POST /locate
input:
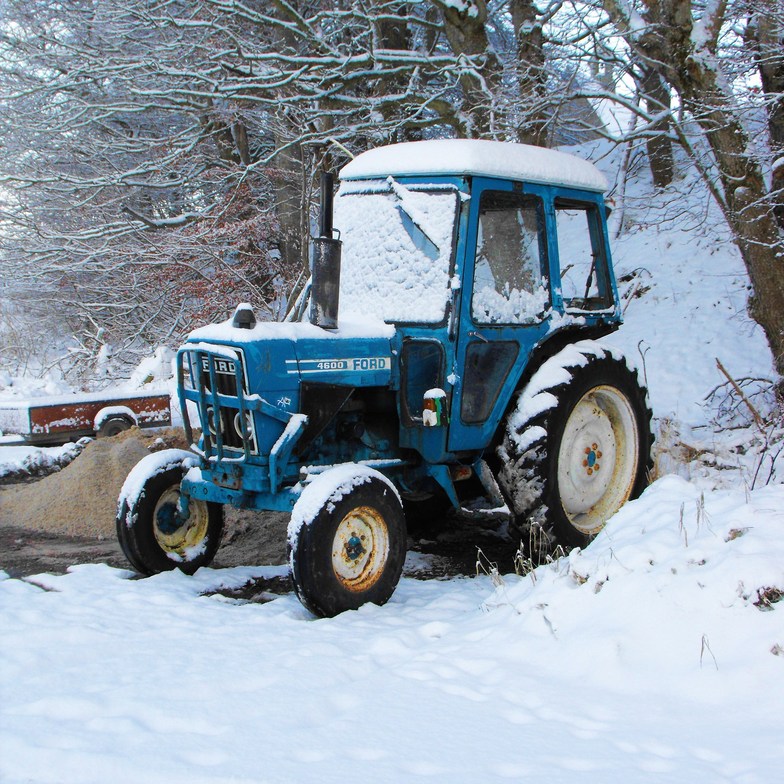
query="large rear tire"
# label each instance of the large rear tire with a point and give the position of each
(159, 530)
(576, 446)
(347, 548)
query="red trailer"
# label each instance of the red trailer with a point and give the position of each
(55, 420)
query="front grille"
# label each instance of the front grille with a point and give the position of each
(217, 384)
(225, 375)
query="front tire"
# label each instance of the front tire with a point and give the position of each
(158, 529)
(347, 542)
(577, 445)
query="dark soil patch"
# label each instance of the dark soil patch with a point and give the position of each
(452, 547)
(24, 551)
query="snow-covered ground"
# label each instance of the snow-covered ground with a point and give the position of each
(643, 658)
(656, 654)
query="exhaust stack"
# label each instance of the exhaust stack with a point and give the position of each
(325, 263)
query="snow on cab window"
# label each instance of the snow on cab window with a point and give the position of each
(509, 287)
(397, 248)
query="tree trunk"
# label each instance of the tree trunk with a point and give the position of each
(395, 35)
(765, 35)
(480, 71)
(657, 98)
(666, 46)
(749, 208)
(289, 177)
(532, 80)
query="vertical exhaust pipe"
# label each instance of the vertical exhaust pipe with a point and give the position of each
(325, 263)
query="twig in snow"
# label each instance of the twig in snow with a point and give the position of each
(642, 353)
(754, 412)
(489, 568)
(682, 527)
(705, 646)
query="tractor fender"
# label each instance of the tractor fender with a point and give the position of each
(548, 347)
(551, 344)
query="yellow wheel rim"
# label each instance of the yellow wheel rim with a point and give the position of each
(182, 539)
(360, 549)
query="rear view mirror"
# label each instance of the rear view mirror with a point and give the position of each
(434, 408)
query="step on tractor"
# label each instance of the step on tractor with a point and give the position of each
(446, 346)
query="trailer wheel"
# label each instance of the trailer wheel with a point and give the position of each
(576, 446)
(113, 426)
(351, 551)
(157, 534)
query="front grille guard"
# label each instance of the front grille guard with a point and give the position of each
(219, 395)
(195, 364)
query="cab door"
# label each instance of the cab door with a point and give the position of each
(505, 305)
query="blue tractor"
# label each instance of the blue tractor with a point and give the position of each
(473, 281)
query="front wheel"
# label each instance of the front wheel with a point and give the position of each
(158, 528)
(347, 541)
(577, 445)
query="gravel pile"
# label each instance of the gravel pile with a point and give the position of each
(81, 499)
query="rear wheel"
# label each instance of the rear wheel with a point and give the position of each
(159, 529)
(577, 445)
(350, 549)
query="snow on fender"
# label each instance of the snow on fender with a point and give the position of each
(328, 488)
(112, 412)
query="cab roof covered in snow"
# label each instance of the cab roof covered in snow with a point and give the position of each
(459, 157)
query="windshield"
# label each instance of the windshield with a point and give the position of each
(397, 249)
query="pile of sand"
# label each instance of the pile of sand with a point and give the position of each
(81, 499)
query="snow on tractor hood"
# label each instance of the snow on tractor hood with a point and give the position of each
(280, 355)
(348, 327)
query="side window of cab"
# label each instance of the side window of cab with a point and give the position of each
(585, 282)
(509, 282)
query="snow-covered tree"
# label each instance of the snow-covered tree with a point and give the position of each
(158, 158)
(696, 48)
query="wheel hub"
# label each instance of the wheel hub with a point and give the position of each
(167, 519)
(592, 455)
(597, 460)
(360, 548)
(180, 524)
(354, 547)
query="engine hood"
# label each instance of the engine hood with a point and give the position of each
(279, 356)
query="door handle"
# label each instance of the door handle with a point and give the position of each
(478, 335)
